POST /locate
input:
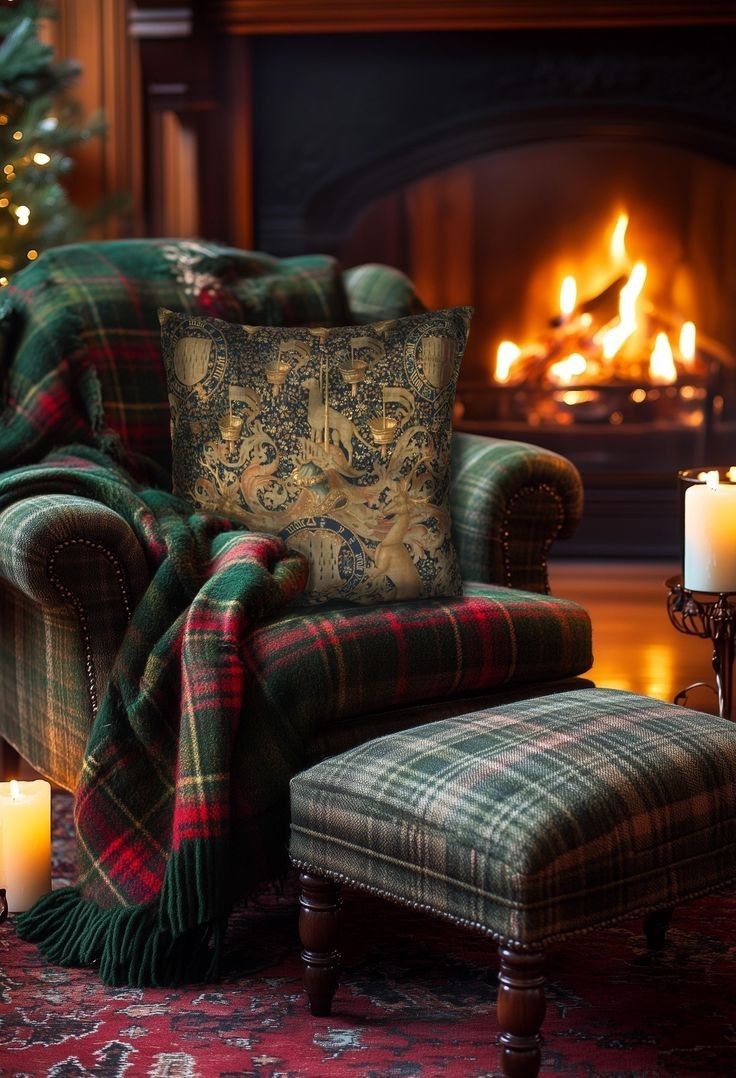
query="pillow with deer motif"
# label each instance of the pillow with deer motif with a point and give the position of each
(337, 440)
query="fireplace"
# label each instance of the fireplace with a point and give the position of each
(493, 166)
(489, 150)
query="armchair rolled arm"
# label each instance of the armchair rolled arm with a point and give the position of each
(376, 292)
(509, 502)
(70, 554)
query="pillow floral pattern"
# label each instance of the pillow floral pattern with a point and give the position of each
(336, 439)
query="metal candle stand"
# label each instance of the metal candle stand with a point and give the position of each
(710, 615)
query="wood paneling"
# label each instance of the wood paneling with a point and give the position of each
(321, 16)
(95, 33)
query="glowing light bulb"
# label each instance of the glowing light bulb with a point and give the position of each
(17, 135)
(41, 158)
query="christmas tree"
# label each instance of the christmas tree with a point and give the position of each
(38, 126)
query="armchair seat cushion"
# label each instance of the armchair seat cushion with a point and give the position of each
(343, 660)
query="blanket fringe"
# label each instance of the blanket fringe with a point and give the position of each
(130, 944)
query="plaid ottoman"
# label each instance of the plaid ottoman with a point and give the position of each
(530, 822)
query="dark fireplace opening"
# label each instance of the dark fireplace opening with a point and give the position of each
(495, 169)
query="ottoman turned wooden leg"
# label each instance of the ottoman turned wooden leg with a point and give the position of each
(319, 912)
(655, 928)
(520, 1011)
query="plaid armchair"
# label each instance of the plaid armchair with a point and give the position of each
(80, 359)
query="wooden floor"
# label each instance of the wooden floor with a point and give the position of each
(635, 646)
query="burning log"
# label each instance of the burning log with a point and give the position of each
(604, 305)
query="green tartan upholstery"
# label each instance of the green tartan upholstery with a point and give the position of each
(80, 359)
(376, 292)
(503, 528)
(531, 821)
(85, 315)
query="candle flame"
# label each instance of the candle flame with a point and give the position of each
(568, 296)
(506, 356)
(618, 239)
(662, 363)
(711, 479)
(14, 790)
(731, 474)
(687, 341)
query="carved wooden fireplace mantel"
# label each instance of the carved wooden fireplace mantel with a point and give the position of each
(199, 62)
(342, 16)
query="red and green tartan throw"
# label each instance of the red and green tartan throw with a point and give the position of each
(168, 835)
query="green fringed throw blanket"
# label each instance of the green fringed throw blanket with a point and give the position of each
(168, 835)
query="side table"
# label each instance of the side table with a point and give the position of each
(711, 615)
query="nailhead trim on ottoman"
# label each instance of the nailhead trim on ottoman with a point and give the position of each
(532, 821)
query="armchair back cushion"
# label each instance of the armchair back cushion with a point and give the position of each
(85, 317)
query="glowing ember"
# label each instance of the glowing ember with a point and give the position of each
(662, 367)
(506, 356)
(567, 369)
(568, 296)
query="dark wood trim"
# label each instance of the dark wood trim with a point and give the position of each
(95, 33)
(239, 140)
(336, 16)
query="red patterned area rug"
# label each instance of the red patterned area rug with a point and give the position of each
(416, 999)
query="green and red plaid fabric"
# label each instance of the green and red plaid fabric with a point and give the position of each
(84, 345)
(353, 660)
(162, 814)
(531, 821)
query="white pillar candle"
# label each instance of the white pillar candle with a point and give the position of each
(710, 536)
(25, 842)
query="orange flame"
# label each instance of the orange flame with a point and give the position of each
(618, 240)
(566, 369)
(662, 367)
(506, 356)
(613, 339)
(568, 296)
(687, 341)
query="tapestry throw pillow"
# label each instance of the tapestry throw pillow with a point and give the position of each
(336, 439)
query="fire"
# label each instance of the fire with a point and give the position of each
(613, 339)
(568, 296)
(614, 335)
(662, 367)
(687, 341)
(506, 356)
(566, 369)
(618, 240)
